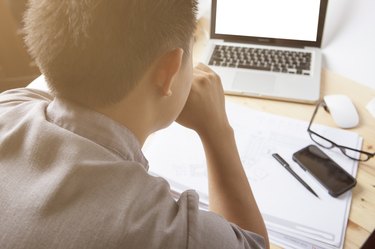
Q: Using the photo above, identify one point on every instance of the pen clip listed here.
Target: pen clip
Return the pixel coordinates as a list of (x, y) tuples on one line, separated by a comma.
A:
[(280, 160)]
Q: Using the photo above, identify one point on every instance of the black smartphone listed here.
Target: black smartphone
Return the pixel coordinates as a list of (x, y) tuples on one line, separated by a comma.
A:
[(331, 175)]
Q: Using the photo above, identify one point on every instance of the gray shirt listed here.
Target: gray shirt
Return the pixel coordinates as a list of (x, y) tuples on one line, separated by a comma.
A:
[(73, 178)]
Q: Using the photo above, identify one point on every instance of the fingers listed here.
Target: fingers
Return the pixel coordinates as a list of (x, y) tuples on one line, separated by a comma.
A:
[(203, 67), (206, 93), (207, 71), (205, 74)]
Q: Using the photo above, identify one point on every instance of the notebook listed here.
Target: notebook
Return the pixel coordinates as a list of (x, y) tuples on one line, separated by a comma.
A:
[(268, 48)]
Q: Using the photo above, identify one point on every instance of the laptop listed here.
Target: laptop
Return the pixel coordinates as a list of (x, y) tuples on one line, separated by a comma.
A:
[(268, 48)]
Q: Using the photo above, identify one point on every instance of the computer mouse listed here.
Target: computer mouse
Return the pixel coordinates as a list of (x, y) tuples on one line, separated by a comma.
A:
[(342, 110)]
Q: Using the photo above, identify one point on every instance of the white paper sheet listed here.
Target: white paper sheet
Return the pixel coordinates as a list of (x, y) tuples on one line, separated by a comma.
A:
[(287, 207)]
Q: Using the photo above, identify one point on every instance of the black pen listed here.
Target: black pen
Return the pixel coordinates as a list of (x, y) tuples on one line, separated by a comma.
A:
[(287, 167)]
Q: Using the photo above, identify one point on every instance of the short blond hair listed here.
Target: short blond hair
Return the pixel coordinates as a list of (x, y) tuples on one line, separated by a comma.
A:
[(94, 51)]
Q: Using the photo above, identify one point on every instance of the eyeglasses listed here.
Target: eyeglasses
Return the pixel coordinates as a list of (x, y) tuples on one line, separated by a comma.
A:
[(358, 155)]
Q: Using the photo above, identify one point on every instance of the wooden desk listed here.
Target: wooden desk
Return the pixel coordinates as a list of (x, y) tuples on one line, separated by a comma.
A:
[(362, 213)]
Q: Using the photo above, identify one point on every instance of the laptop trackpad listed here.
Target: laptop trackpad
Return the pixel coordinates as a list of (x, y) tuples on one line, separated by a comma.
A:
[(254, 82)]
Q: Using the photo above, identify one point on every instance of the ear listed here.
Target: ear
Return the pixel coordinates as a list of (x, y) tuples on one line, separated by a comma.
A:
[(166, 67)]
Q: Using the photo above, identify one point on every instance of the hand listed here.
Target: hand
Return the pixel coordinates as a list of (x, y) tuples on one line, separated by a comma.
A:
[(230, 194), (204, 110)]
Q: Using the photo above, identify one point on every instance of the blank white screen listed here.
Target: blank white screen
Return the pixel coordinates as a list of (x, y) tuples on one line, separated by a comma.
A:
[(281, 19)]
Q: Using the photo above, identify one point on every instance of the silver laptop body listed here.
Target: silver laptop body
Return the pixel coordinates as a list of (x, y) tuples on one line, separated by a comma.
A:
[(260, 47)]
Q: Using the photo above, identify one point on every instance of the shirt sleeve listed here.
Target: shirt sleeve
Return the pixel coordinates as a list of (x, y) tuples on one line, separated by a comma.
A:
[(209, 230)]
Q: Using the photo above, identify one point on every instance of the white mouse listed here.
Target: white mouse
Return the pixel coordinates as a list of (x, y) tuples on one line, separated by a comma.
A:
[(342, 110)]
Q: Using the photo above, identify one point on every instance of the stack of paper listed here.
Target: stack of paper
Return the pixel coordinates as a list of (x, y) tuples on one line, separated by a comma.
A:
[(294, 217)]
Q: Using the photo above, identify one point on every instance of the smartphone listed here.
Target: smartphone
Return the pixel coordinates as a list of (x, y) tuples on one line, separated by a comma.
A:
[(331, 175)]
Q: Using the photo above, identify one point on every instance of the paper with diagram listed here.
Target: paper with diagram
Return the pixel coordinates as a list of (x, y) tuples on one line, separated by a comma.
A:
[(287, 207)]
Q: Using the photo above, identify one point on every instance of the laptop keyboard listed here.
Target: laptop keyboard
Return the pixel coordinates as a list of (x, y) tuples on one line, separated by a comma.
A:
[(273, 60)]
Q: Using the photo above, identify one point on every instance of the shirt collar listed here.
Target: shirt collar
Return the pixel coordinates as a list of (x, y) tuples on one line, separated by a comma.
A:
[(97, 128)]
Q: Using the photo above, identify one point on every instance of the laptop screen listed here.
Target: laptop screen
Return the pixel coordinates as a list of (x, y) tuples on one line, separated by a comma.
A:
[(267, 21)]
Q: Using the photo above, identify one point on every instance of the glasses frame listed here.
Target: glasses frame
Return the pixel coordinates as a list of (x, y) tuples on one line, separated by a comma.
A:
[(343, 149)]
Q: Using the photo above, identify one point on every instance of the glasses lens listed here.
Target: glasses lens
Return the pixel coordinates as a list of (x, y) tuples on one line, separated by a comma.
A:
[(356, 155), (321, 141)]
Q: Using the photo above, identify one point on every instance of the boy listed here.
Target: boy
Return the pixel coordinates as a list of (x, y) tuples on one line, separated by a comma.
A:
[(71, 167)]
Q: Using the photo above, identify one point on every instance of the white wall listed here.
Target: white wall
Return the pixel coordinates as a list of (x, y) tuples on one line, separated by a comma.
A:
[(349, 38)]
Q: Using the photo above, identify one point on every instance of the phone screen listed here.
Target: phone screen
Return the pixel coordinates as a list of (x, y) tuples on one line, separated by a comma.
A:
[(331, 175)]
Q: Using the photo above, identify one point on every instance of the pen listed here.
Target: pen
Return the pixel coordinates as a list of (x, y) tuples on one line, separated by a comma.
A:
[(287, 167)]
